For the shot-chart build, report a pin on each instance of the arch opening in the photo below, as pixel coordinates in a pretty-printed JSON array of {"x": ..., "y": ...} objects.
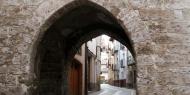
[{"x": 64, "y": 37}]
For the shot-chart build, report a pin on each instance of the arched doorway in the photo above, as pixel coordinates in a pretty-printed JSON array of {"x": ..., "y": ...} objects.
[{"x": 62, "y": 39}]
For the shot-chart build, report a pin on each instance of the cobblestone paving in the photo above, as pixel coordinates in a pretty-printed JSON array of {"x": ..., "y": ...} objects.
[{"x": 107, "y": 89}]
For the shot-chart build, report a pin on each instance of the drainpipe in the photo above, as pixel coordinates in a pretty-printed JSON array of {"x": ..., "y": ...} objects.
[{"x": 86, "y": 70}]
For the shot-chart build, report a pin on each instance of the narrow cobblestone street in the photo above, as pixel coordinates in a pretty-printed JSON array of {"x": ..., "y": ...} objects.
[{"x": 107, "y": 89}]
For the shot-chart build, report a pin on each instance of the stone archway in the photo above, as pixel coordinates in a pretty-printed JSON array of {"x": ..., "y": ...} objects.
[
  {"x": 127, "y": 19},
  {"x": 159, "y": 30},
  {"x": 59, "y": 43}
]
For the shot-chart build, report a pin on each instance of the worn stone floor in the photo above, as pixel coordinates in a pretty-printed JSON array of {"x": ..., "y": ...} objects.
[{"x": 107, "y": 89}]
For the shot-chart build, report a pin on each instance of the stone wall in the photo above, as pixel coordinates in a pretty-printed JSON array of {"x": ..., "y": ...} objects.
[{"x": 159, "y": 30}]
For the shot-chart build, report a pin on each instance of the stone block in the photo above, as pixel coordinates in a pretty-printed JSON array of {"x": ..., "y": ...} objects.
[
  {"x": 2, "y": 78},
  {"x": 155, "y": 14}
]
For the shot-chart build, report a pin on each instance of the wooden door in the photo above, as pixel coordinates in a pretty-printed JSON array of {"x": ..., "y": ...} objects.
[{"x": 75, "y": 79}]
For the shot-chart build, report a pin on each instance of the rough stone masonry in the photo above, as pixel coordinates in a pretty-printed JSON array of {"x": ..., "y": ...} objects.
[{"x": 159, "y": 29}]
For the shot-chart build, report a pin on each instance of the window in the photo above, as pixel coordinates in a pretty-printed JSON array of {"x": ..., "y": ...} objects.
[
  {"x": 130, "y": 60},
  {"x": 122, "y": 47},
  {"x": 121, "y": 64}
]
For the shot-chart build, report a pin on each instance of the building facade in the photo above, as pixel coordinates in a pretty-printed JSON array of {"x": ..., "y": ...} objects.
[
  {"x": 87, "y": 60},
  {"x": 157, "y": 29},
  {"x": 93, "y": 64},
  {"x": 118, "y": 63}
]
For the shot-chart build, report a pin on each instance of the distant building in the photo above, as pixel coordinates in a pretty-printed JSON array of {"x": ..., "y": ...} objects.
[
  {"x": 93, "y": 64},
  {"x": 117, "y": 63},
  {"x": 104, "y": 58}
]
